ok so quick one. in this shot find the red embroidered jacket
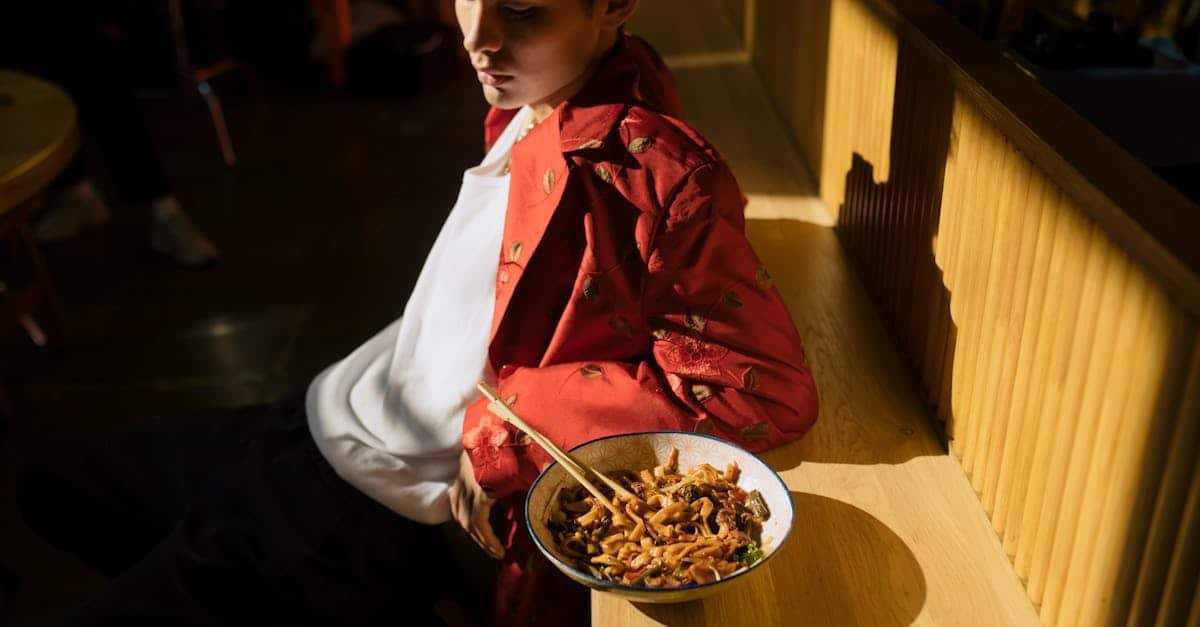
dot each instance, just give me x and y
(628, 298)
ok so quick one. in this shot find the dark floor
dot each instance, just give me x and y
(323, 224)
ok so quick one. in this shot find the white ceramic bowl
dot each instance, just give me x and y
(635, 451)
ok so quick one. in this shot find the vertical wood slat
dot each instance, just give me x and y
(1022, 336)
(1104, 394)
(954, 267)
(922, 315)
(1135, 457)
(1010, 218)
(977, 251)
(1194, 617)
(1006, 332)
(1067, 417)
(1056, 303)
(1047, 350)
(1182, 574)
(1170, 499)
(1067, 265)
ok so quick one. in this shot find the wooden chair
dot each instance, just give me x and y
(201, 77)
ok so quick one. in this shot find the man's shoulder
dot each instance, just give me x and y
(661, 141)
(655, 159)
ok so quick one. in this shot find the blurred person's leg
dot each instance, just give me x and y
(229, 520)
(74, 205)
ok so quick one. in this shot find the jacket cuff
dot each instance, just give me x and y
(494, 448)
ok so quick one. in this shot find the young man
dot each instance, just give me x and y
(594, 268)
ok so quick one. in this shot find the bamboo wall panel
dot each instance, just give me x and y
(1068, 380)
(1179, 475)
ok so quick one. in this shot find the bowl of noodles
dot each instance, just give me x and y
(706, 513)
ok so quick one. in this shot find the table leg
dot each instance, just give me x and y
(45, 285)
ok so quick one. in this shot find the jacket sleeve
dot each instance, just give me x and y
(723, 354)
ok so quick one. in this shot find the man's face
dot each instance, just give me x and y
(527, 51)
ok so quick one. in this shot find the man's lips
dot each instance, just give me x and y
(491, 77)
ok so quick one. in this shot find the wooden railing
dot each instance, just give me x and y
(1042, 282)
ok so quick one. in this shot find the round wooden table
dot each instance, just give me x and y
(39, 134)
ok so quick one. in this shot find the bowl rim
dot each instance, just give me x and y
(613, 585)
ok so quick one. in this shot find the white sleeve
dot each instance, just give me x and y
(415, 488)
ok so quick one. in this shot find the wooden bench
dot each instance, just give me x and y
(958, 472)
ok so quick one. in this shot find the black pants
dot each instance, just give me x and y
(230, 519)
(81, 47)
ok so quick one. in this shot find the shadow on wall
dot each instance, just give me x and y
(889, 228)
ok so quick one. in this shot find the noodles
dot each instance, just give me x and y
(692, 528)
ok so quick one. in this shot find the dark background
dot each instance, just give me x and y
(323, 225)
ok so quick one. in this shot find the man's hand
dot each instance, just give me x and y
(471, 506)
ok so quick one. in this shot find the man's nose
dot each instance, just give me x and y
(484, 31)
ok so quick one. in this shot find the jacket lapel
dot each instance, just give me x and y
(540, 169)
(538, 178)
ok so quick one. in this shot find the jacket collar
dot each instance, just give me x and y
(587, 117)
(630, 74)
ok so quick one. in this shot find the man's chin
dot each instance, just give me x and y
(501, 99)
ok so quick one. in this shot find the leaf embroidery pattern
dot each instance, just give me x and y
(510, 401)
(639, 144)
(604, 174)
(702, 392)
(548, 181)
(763, 278)
(591, 371)
(750, 379)
(591, 290)
(591, 144)
(754, 432)
(514, 251)
(620, 324)
(696, 322)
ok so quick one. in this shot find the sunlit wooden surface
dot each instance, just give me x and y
(1045, 308)
(888, 530)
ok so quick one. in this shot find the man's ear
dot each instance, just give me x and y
(614, 13)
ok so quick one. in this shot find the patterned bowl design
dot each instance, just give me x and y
(635, 451)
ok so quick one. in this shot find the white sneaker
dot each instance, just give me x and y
(173, 234)
(72, 210)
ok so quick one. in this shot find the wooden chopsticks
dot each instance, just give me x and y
(577, 470)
